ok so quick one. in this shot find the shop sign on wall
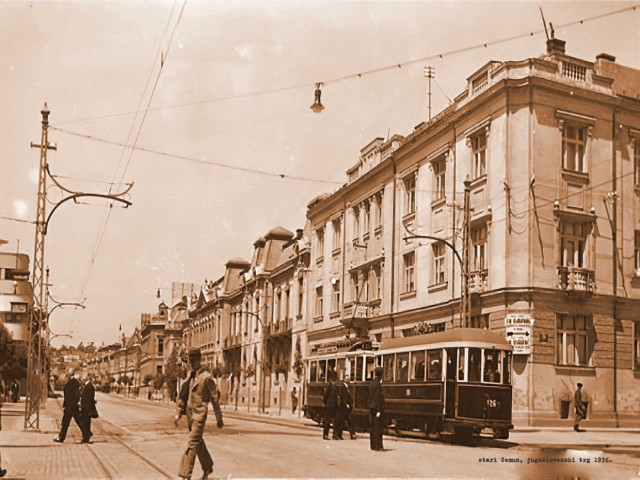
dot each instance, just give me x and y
(519, 326)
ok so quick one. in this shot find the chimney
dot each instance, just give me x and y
(555, 46)
(606, 56)
(298, 233)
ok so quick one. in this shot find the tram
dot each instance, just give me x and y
(455, 383)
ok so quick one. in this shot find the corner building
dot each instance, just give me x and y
(550, 149)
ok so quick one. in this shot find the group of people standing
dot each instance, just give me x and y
(79, 404)
(338, 402)
(10, 391)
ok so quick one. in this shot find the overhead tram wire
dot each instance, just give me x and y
(104, 224)
(352, 76)
(283, 176)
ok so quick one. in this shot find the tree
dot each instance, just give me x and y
(147, 379)
(158, 381)
(13, 356)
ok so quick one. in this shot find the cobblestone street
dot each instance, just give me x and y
(137, 439)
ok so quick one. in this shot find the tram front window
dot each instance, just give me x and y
(359, 369)
(506, 368)
(370, 367)
(434, 361)
(341, 368)
(322, 371)
(388, 364)
(402, 364)
(473, 374)
(331, 367)
(491, 366)
(313, 371)
(417, 366)
(461, 363)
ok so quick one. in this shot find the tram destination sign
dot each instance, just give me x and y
(518, 329)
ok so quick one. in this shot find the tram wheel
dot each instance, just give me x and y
(464, 436)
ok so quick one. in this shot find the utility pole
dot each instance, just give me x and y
(39, 312)
(34, 361)
(429, 73)
(465, 311)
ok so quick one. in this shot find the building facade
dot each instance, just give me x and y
(16, 294)
(530, 180)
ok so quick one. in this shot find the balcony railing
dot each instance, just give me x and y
(479, 281)
(576, 279)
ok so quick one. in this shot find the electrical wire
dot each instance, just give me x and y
(199, 160)
(372, 71)
(13, 219)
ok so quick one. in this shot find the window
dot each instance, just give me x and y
(158, 368)
(439, 177)
(636, 345)
(473, 373)
(434, 364)
(573, 148)
(160, 347)
(479, 241)
(636, 161)
(573, 340)
(461, 364)
(480, 321)
(402, 365)
(287, 299)
(438, 263)
(410, 194)
(387, 365)
(378, 210)
(418, 366)
(409, 280)
(337, 234)
(278, 311)
(369, 368)
(300, 295)
(573, 239)
(491, 372)
(376, 283)
(313, 371)
(367, 217)
(335, 297)
(356, 223)
(318, 311)
(636, 253)
(319, 243)
(479, 151)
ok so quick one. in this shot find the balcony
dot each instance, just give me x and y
(479, 281)
(576, 279)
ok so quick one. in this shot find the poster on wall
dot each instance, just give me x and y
(518, 328)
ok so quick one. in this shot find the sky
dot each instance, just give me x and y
(97, 63)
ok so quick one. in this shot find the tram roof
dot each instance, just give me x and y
(454, 336)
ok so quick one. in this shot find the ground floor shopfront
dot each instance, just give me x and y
(559, 340)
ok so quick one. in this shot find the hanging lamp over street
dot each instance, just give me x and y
(317, 106)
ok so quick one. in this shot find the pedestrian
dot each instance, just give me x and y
(376, 410)
(70, 408)
(294, 400)
(195, 394)
(347, 406)
(581, 408)
(15, 391)
(330, 400)
(87, 407)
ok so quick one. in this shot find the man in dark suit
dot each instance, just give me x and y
(70, 408)
(330, 400)
(346, 405)
(376, 410)
(581, 408)
(87, 408)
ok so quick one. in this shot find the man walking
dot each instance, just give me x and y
(330, 400)
(15, 391)
(345, 407)
(294, 400)
(195, 394)
(376, 410)
(87, 407)
(70, 408)
(581, 409)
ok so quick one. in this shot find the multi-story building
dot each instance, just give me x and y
(152, 334)
(545, 153)
(16, 293)
(249, 323)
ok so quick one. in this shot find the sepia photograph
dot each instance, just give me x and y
(319, 239)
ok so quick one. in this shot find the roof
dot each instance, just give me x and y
(279, 232)
(456, 335)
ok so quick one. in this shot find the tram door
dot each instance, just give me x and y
(450, 383)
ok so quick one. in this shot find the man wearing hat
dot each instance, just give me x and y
(71, 409)
(195, 394)
(581, 408)
(376, 410)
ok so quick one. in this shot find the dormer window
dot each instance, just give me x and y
(480, 83)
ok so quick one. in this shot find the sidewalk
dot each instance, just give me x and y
(33, 455)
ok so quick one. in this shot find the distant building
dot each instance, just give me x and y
(16, 294)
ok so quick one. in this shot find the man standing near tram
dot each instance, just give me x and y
(376, 410)
(195, 394)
